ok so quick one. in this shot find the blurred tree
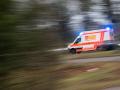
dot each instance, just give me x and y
(26, 63)
(109, 10)
(85, 5)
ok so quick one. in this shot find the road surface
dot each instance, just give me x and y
(102, 59)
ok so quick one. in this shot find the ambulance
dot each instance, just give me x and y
(102, 39)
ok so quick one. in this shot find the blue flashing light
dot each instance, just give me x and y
(107, 26)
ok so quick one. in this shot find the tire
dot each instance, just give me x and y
(112, 47)
(106, 47)
(101, 48)
(73, 51)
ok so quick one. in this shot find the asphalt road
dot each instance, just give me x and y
(102, 59)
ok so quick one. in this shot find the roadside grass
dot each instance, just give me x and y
(107, 75)
(85, 76)
(68, 56)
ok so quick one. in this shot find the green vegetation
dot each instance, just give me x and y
(68, 56)
(81, 78)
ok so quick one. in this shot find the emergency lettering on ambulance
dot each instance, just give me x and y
(92, 40)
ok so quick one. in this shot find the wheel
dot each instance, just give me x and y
(106, 47)
(112, 47)
(73, 51)
(102, 48)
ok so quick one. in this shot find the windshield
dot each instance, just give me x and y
(77, 40)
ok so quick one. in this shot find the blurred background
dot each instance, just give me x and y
(31, 29)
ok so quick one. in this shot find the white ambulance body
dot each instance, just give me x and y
(92, 40)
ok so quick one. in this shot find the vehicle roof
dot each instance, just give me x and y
(93, 31)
